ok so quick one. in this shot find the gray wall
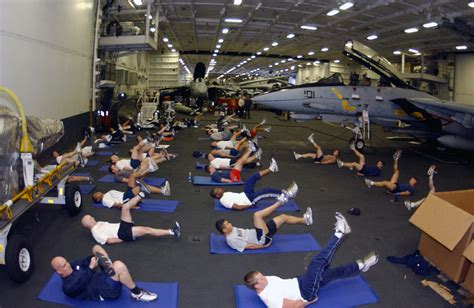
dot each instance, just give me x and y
(464, 79)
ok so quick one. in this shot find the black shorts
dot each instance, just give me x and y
(125, 231)
(134, 163)
(233, 160)
(102, 287)
(318, 159)
(396, 189)
(272, 229)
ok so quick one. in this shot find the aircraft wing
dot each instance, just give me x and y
(460, 113)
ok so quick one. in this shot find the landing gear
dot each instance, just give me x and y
(19, 258)
(73, 199)
(358, 143)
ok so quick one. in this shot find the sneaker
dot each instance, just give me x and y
(252, 146)
(431, 171)
(105, 263)
(283, 198)
(258, 154)
(369, 183)
(341, 225)
(149, 137)
(311, 138)
(297, 156)
(339, 163)
(176, 230)
(144, 296)
(166, 189)
(141, 194)
(268, 129)
(78, 148)
(263, 121)
(409, 205)
(90, 179)
(81, 160)
(308, 216)
(143, 187)
(273, 165)
(397, 155)
(292, 190)
(368, 261)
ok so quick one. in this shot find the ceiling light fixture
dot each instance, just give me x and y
(332, 12)
(218, 46)
(253, 57)
(461, 47)
(237, 2)
(346, 6)
(165, 39)
(430, 24)
(138, 2)
(152, 29)
(372, 37)
(283, 61)
(411, 30)
(220, 41)
(309, 27)
(216, 50)
(324, 49)
(225, 30)
(413, 50)
(337, 61)
(308, 63)
(275, 44)
(397, 52)
(270, 65)
(173, 50)
(266, 49)
(471, 4)
(214, 54)
(291, 35)
(233, 20)
(170, 45)
(259, 53)
(299, 56)
(310, 53)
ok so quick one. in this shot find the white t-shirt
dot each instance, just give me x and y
(225, 144)
(104, 230)
(239, 238)
(124, 164)
(112, 197)
(230, 198)
(277, 289)
(220, 163)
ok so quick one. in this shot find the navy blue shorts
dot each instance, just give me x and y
(272, 229)
(135, 163)
(128, 194)
(102, 287)
(318, 159)
(233, 152)
(125, 231)
(396, 190)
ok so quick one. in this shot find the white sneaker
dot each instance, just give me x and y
(339, 163)
(311, 138)
(431, 171)
(166, 189)
(252, 146)
(297, 156)
(283, 198)
(341, 225)
(369, 183)
(144, 296)
(308, 216)
(368, 261)
(268, 129)
(292, 190)
(258, 154)
(397, 155)
(273, 165)
(263, 121)
(409, 205)
(78, 148)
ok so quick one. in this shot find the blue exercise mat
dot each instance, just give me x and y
(204, 138)
(104, 168)
(92, 162)
(290, 206)
(151, 205)
(341, 293)
(81, 173)
(87, 188)
(108, 178)
(281, 243)
(157, 182)
(167, 295)
(105, 153)
(206, 180)
(200, 165)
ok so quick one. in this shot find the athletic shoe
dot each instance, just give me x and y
(341, 225)
(409, 205)
(297, 156)
(144, 296)
(166, 189)
(397, 155)
(263, 121)
(431, 171)
(283, 198)
(252, 146)
(78, 148)
(292, 190)
(308, 216)
(273, 165)
(369, 183)
(81, 160)
(105, 263)
(176, 230)
(258, 154)
(268, 129)
(90, 179)
(141, 194)
(339, 163)
(143, 187)
(368, 261)
(149, 137)
(311, 138)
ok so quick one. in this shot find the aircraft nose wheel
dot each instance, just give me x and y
(19, 258)
(359, 143)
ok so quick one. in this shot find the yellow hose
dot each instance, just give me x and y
(25, 146)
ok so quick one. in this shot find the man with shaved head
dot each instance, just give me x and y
(81, 280)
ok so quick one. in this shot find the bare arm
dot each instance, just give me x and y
(113, 241)
(224, 180)
(288, 303)
(240, 207)
(257, 246)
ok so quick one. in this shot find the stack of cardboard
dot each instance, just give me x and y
(446, 221)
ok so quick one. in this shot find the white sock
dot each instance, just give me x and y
(338, 234)
(171, 232)
(360, 264)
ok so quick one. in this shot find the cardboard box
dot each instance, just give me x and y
(446, 221)
(469, 281)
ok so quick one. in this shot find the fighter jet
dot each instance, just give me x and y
(393, 104)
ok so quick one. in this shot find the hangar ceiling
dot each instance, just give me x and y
(195, 27)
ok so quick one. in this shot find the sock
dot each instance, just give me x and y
(171, 232)
(338, 234)
(136, 290)
(360, 264)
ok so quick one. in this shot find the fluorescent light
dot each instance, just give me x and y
(237, 2)
(259, 53)
(253, 57)
(308, 63)
(289, 59)
(310, 53)
(430, 24)
(283, 61)
(291, 35)
(471, 4)
(216, 50)
(346, 6)
(266, 49)
(308, 27)
(299, 56)
(397, 52)
(152, 29)
(249, 59)
(337, 61)
(165, 39)
(275, 44)
(324, 49)
(218, 46)
(270, 65)
(413, 50)
(170, 45)
(461, 47)
(316, 62)
(292, 67)
(225, 30)
(214, 54)
(173, 50)
(332, 12)
(411, 30)
(372, 37)
(220, 41)
(276, 63)
(138, 2)
(233, 20)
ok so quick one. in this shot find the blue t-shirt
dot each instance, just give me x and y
(219, 175)
(404, 187)
(370, 171)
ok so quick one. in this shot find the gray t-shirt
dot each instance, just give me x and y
(239, 238)
(121, 175)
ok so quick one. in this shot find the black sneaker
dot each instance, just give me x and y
(176, 230)
(91, 180)
(105, 263)
(143, 187)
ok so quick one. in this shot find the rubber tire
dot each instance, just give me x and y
(73, 205)
(359, 143)
(15, 244)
